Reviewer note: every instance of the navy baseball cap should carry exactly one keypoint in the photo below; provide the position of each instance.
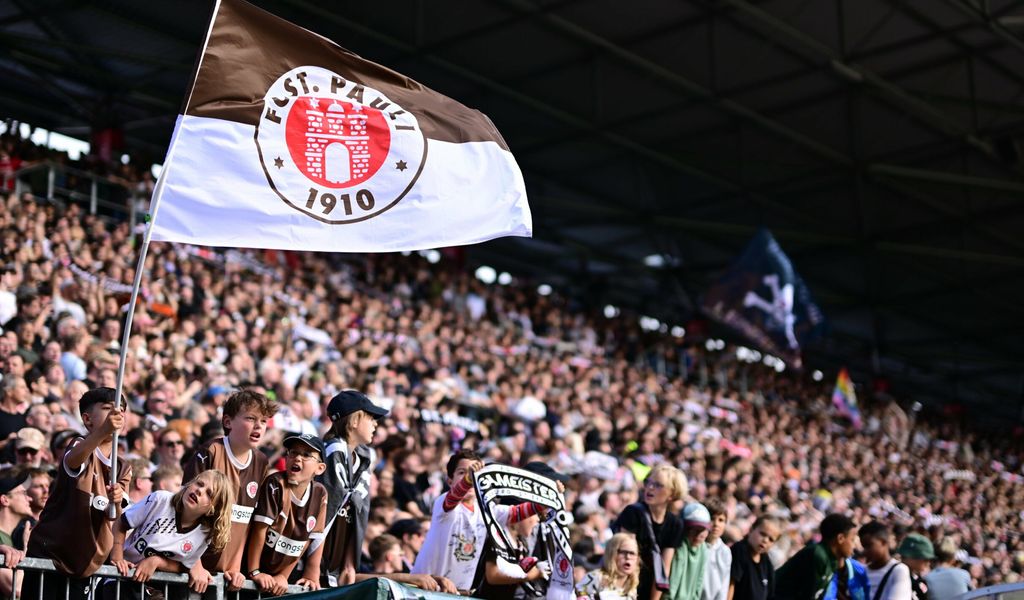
(349, 401)
(304, 438)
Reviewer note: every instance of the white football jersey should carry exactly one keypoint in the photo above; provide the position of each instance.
(156, 531)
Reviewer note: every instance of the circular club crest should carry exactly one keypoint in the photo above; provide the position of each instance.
(251, 488)
(563, 565)
(310, 523)
(336, 150)
(186, 547)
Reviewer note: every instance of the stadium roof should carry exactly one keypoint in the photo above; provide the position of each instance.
(879, 140)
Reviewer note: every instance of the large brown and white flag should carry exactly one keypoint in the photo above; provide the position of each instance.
(289, 141)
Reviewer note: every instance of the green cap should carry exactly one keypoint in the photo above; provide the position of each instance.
(916, 545)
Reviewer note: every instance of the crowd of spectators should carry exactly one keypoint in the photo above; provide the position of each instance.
(517, 375)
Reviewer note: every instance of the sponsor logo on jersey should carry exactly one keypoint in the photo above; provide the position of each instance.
(241, 514)
(284, 545)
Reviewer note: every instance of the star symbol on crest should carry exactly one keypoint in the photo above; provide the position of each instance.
(401, 166)
(314, 103)
(278, 162)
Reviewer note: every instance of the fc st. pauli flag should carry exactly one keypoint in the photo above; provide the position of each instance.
(288, 141)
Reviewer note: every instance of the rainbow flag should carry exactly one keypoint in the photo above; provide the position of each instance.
(845, 398)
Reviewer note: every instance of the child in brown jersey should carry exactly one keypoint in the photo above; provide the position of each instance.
(246, 414)
(291, 511)
(78, 507)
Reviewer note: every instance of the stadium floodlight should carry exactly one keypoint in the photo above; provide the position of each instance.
(817, 375)
(611, 311)
(504, 278)
(678, 331)
(433, 256)
(655, 261)
(710, 345)
(156, 169)
(486, 274)
(780, 366)
(649, 323)
(544, 289)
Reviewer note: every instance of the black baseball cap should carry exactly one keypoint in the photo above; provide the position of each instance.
(545, 470)
(304, 438)
(349, 401)
(9, 484)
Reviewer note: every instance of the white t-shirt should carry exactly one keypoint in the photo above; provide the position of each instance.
(454, 542)
(898, 586)
(717, 571)
(155, 531)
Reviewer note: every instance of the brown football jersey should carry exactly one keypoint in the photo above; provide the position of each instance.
(293, 521)
(246, 478)
(74, 530)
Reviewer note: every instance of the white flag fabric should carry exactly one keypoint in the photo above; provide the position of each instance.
(288, 141)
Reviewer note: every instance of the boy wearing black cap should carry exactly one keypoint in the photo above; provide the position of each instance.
(350, 461)
(291, 511)
(78, 506)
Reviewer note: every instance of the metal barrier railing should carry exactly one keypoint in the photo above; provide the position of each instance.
(1005, 591)
(97, 198)
(216, 591)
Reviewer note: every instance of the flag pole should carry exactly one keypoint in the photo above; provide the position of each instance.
(124, 339)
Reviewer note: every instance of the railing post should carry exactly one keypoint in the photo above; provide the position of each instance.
(18, 188)
(51, 176)
(92, 197)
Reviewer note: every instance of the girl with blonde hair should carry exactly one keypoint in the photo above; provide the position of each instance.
(170, 532)
(619, 575)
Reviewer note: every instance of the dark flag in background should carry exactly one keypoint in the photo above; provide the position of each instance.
(764, 298)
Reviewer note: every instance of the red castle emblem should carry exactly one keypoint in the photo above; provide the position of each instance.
(336, 144)
(186, 547)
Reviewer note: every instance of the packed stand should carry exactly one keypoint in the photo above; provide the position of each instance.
(239, 364)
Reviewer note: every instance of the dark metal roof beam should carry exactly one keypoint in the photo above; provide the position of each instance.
(34, 42)
(859, 75)
(681, 83)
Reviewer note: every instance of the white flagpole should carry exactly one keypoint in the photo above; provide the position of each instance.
(126, 335)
